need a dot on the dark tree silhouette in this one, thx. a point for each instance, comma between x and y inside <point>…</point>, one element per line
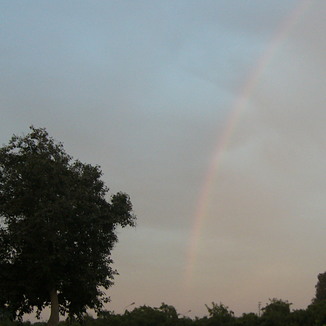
<point>320,288</point>
<point>57,229</point>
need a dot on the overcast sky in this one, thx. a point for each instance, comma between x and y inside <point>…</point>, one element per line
<point>209,114</point>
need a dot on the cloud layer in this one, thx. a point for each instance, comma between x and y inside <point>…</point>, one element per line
<point>145,89</point>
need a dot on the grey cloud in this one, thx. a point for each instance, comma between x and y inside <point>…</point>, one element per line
<point>145,89</point>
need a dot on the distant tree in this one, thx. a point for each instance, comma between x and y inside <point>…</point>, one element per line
<point>318,307</point>
<point>219,310</point>
<point>301,317</point>
<point>169,311</point>
<point>165,315</point>
<point>248,319</point>
<point>320,288</point>
<point>219,314</point>
<point>277,305</point>
<point>57,229</point>
<point>276,313</point>
<point>144,316</point>
<point>317,313</point>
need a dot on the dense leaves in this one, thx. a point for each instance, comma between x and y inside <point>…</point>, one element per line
<point>57,228</point>
<point>320,288</point>
<point>276,312</point>
<point>218,315</point>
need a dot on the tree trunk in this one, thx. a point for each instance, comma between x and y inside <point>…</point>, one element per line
<point>54,317</point>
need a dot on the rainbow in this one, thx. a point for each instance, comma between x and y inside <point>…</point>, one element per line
<point>224,138</point>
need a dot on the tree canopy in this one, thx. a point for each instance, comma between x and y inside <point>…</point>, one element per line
<point>57,229</point>
<point>320,288</point>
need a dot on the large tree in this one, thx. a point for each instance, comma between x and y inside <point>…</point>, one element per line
<point>57,229</point>
<point>320,288</point>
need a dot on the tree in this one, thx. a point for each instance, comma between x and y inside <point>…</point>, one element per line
<point>248,319</point>
<point>144,316</point>
<point>276,313</point>
<point>165,315</point>
<point>277,306</point>
<point>320,288</point>
<point>219,314</point>
<point>317,313</point>
<point>57,229</point>
<point>302,317</point>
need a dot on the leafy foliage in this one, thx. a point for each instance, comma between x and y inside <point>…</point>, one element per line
<point>317,313</point>
<point>276,312</point>
<point>320,288</point>
<point>219,315</point>
<point>57,228</point>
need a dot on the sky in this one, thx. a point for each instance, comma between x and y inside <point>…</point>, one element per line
<point>209,114</point>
